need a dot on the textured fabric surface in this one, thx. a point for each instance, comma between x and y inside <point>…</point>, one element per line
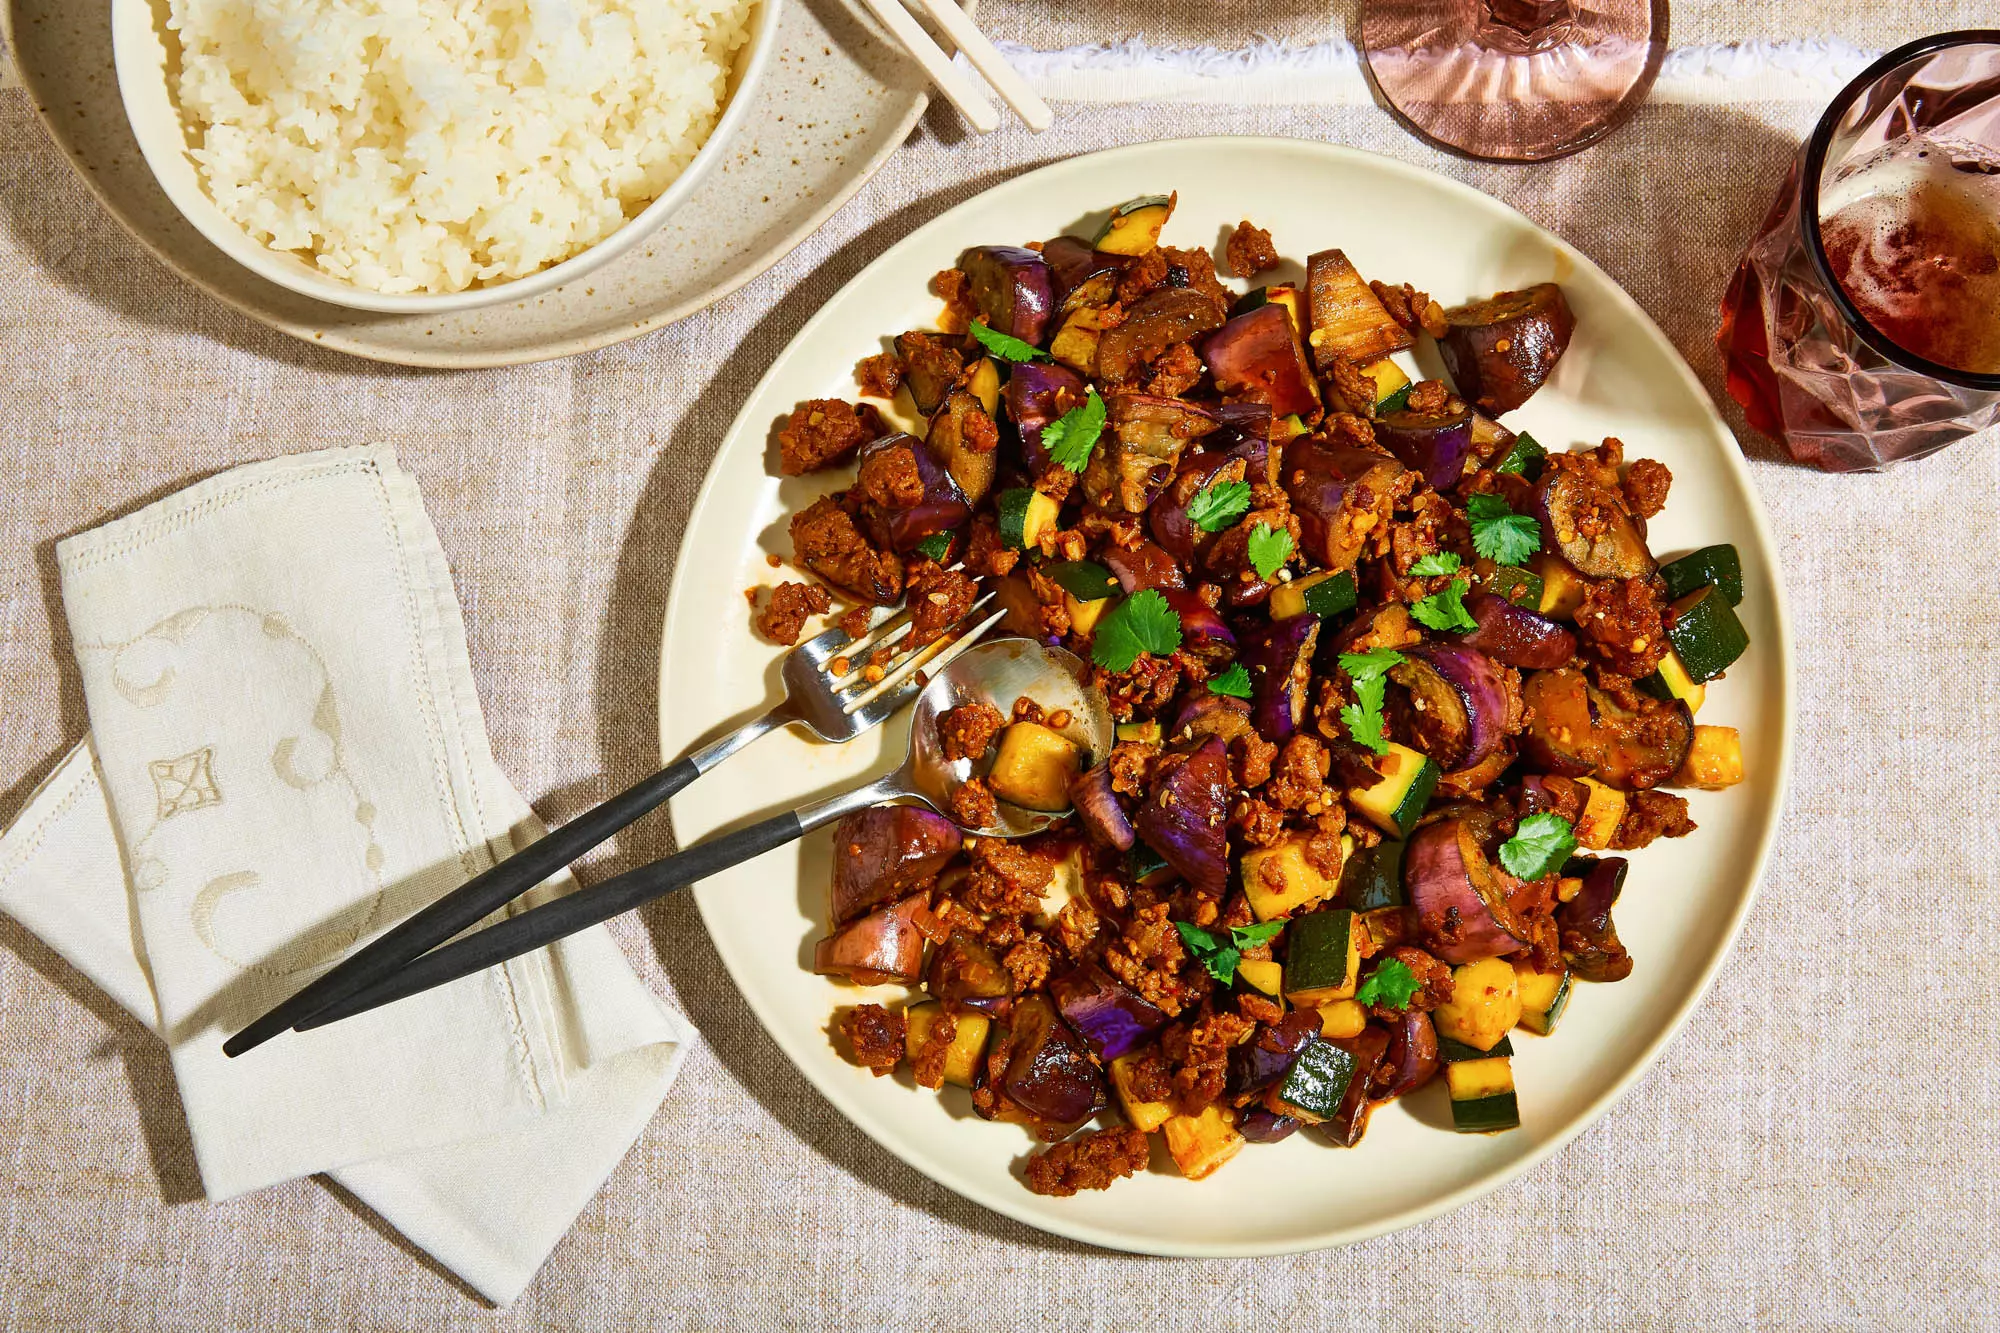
<point>1812,1151</point>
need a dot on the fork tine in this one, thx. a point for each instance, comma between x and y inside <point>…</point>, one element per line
<point>835,642</point>
<point>931,656</point>
<point>897,667</point>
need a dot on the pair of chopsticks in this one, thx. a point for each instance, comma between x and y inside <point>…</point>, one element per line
<point>966,36</point>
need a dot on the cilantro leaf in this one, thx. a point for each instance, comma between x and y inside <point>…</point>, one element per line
<point>1003,345</point>
<point>1234,682</point>
<point>1142,623</point>
<point>1218,504</point>
<point>1071,436</point>
<point>1269,549</point>
<point>1363,718</point>
<point>937,546</point>
<point>1368,665</point>
<point>1540,844</point>
<point>1438,562</point>
<point>1390,985</point>
<point>1444,609</point>
<point>1220,959</point>
<point>1249,937</point>
<point>1500,534</point>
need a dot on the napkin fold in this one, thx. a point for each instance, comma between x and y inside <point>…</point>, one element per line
<point>286,757</point>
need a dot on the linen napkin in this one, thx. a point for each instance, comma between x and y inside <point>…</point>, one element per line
<point>286,757</point>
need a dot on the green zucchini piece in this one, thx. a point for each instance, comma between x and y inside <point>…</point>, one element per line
<point>1324,594</point>
<point>1025,515</point>
<point>1481,1085</point>
<point>1525,457</point>
<point>1719,565</point>
<point>1142,863</point>
<point>1486,1115</point>
<point>1395,803</point>
<point>1287,428</point>
<point>1672,681</point>
<point>1253,299</point>
<point>1322,957</point>
<point>1085,580</point>
<point>1373,878</point>
<point>1522,587</point>
<point>1451,1052</point>
<point>1543,1000</point>
<point>1395,402</point>
<point>1134,226</point>
<point>1705,633</point>
<point>1317,1081</point>
<point>1144,733</point>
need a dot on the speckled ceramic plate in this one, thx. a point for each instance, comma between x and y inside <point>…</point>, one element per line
<point>837,98</point>
<point>1683,902</point>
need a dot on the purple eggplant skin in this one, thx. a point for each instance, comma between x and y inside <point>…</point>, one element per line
<point>1279,655</point>
<point>1186,814</point>
<point>880,947</point>
<point>1111,1018</point>
<point>1515,635</point>
<point>1460,901</point>
<point>1500,350</point>
<point>941,506</point>
<point>885,852</point>
<point>1146,565</point>
<point>1207,713</point>
<point>1464,718</point>
<point>1269,1055</point>
<point>965,974</point>
<point>1261,1126</point>
<point>1350,1122</point>
<point>1012,287</point>
<point>1437,446</point>
<point>1167,517</point>
<point>1411,1059</point>
<point>1163,317</point>
<point>1245,434</point>
<point>1589,941</point>
<point>1049,1072</point>
<point>1342,497</point>
<point>1256,357</point>
<point>1097,806</point>
<point>1204,633</point>
<point>1084,275</point>
<point>1575,729</point>
<point>1037,393</point>
<point>1562,498</point>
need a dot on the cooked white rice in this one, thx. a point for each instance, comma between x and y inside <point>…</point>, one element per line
<point>431,145</point>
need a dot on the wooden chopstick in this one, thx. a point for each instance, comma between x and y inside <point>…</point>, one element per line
<point>986,58</point>
<point>954,85</point>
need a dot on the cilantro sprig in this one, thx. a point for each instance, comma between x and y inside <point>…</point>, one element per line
<point>1500,534</point>
<point>1437,562</point>
<point>1269,549</point>
<point>1142,623</point>
<point>1004,345</point>
<point>1369,672</point>
<point>1234,682</point>
<point>1218,504</point>
<point>1539,845</point>
<point>1444,609</point>
<point>1071,437</point>
<point>1390,985</point>
<point>1221,954</point>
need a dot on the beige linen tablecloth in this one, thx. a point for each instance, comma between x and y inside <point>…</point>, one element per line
<point>1816,1149</point>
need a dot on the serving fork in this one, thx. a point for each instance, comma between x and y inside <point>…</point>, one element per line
<point>832,687</point>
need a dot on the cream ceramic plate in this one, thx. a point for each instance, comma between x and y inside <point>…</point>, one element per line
<point>1684,900</point>
<point>836,99</point>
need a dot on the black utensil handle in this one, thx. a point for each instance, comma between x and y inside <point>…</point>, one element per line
<point>565,916</point>
<point>478,897</point>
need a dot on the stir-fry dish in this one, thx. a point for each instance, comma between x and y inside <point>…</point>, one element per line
<point>1387,675</point>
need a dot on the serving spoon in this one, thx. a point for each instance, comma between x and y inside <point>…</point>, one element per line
<point>996,673</point>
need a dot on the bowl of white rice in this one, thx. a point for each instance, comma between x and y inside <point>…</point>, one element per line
<point>427,156</point>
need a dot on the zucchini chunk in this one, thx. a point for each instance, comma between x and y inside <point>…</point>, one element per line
<point>1714,760</point>
<point>1342,1019</point>
<point>1065,887</point>
<point>1134,226</point>
<point>1485,1002</point>
<point>1524,457</point>
<point>1396,802</point>
<point>1143,1116</point>
<point>968,1041</point>
<point>1373,878</point>
<point>1279,880</point>
<point>1562,586</point>
<point>1705,633</point>
<point>1672,681</point>
<point>1317,1082</point>
<point>1139,733</point>
<point>1389,380</point>
<point>1719,565</point>
<point>1088,589</point>
<point>1034,767</point>
<point>1544,997</point>
<point>1202,1144</point>
<point>1520,586</point>
<point>1602,810</point>
<point>1482,1094</point>
<point>1262,974</point>
<point>1026,516</point>
<point>1324,594</point>
<point>1323,957</point>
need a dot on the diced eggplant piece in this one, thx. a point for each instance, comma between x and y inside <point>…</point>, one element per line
<point>1500,350</point>
<point>1411,1059</point>
<point>1256,357</point>
<point>1341,496</point>
<point>886,852</point>
<point>1462,702</point>
<point>1279,654</point>
<point>1515,635</point>
<point>1576,729</point>
<point>1268,1055</point>
<point>1348,320</point>
<point>937,504</point>
<point>1075,343</point>
<point>1146,565</point>
<point>932,364</point>
<point>1186,814</point>
<point>971,467</point>
<point>1049,1071</point>
<point>881,947</point>
<point>1167,517</point>
<point>1589,941</point>
<point>965,974</point>
<point>1111,1018</point>
<point>1261,1126</point>
<point>1161,318</point>
<point>1037,393</point>
<point>1208,714</point>
<point>1012,287</point>
<point>1141,448</point>
<point>1204,633</point>
<point>1590,527</point>
<point>1099,810</point>
<point>1350,1120</point>
<point>1436,445</point>
<point>1084,275</point>
<point>1461,904</point>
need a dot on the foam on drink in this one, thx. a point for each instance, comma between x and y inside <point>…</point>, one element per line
<point>1913,237</point>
